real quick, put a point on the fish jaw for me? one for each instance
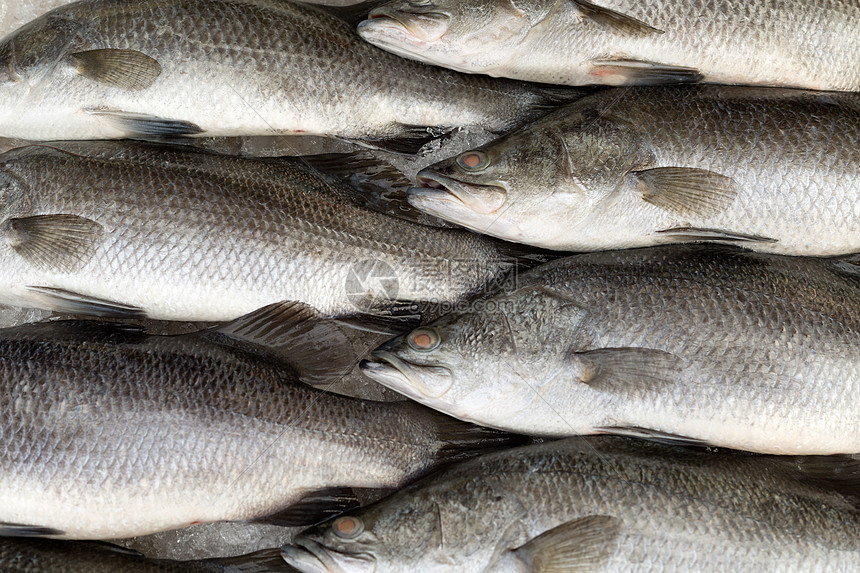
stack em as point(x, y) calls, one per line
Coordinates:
point(405, 377)
point(410, 38)
point(308, 556)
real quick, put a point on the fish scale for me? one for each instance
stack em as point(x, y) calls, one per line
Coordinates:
point(239, 67)
point(678, 511)
point(195, 236)
point(110, 433)
point(709, 344)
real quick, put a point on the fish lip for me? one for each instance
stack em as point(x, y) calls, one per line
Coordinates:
point(388, 18)
point(304, 553)
point(384, 371)
point(437, 187)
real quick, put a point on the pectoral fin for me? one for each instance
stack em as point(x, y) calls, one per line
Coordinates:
point(627, 369)
point(126, 69)
point(581, 545)
point(614, 21)
point(642, 73)
point(686, 191)
point(312, 344)
point(61, 243)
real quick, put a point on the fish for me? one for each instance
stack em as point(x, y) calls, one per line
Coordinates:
point(133, 229)
point(35, 555)
point(111, 432)
point(107, 69)
point(695, 344)
point(623, 42)
point(776, 171)
point(599, 504)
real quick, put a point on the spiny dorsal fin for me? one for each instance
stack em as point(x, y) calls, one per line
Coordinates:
point(126, 69)
point(315, 507)
point(59, 242)
point(580, 545)
point(312, 344)
point(627, 369)
point(615, 21)
point(686, 191)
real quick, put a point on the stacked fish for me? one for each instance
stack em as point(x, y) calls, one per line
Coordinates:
point(732, 321)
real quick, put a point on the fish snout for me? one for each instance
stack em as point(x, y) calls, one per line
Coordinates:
point(423, 26)
point(435, 187)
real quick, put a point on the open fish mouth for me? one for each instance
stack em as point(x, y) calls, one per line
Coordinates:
point(435, 188)
point(427, 27)
point(308, 556)
point(400, 375)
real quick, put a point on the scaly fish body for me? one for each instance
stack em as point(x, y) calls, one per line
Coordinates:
point(108, 432)
point(613, 42)
point(109, 69)
point(31, 555)
point(603, 505)
point(708, 344)
point(774, 170)
point(187, 235)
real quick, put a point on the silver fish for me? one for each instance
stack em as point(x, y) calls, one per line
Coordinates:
point(704, 344)
point(33, 555)
point(598, 505)
point(116, 228)
point(775, 170)
point(110, 68)
point(612, 42)
point(109, 432)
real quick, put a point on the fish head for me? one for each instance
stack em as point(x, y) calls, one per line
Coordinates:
point(484, 364)
point(30, 54)
point(465, 36)
point(399, 536)
point(535, 184)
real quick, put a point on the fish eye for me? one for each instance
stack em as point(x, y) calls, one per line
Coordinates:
point(424, 339)
point(347, 527)
point(473, 161)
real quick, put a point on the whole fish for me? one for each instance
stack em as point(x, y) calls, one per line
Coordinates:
point(789, 43)
point(109, 432)
point(602, 504)
point(775, 170)
point(101, 69)
point(117, 228)
point(705, 344)
point(33, 555)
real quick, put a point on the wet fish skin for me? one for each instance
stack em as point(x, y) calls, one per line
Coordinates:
point(102, 69)
point(109, 432)
point(774, 170)
point(650, 507)
point(623, 42)
point(179, 234)
point(705, 344)
point(33, 555)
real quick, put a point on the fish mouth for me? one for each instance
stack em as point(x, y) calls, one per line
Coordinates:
point(435, 189)
point(399, 375)
point(308, 556)
point(415, 26)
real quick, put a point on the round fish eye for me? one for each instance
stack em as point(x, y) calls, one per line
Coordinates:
point(424, 339)
point(473, 160)
point(347, 527)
